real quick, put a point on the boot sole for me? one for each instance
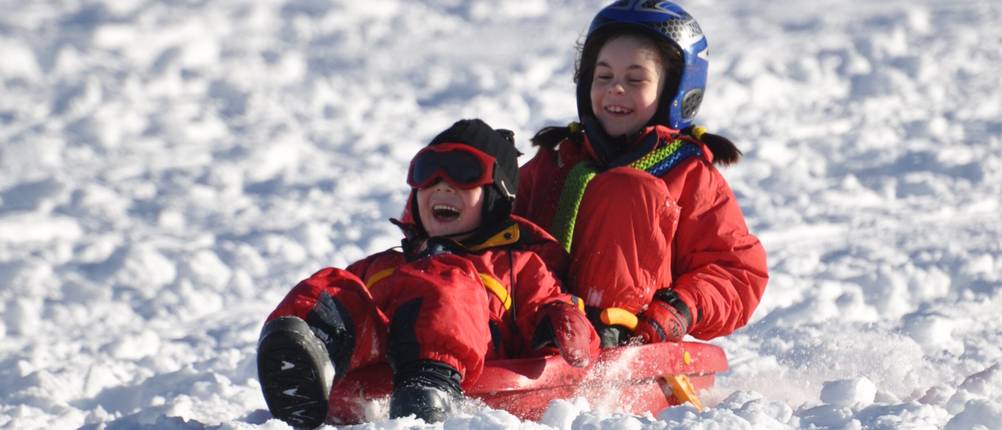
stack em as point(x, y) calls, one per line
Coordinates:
point(295, 372)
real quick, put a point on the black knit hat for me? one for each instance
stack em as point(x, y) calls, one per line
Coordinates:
point(499, 197)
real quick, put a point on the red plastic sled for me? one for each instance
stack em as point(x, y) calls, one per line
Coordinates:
point(635, 379)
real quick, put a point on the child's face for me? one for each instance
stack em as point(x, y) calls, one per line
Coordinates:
point(445, 210)
point(628, 80)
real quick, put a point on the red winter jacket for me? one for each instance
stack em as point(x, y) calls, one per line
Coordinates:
point(636, 233)
point(512, 283)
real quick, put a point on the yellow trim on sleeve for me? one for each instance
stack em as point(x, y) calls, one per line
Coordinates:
point(379, 276)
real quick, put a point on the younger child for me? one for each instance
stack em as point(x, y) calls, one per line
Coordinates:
point(632, 191)
point(468, 286)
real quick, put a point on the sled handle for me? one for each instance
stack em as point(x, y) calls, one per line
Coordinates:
point(620, 317)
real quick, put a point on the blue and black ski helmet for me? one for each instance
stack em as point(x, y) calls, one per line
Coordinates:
point(662, 20)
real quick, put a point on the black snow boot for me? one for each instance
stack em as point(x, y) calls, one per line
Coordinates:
point(426, 389)
point(295, 372)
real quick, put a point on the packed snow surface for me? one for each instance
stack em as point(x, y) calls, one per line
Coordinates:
point(168, 169)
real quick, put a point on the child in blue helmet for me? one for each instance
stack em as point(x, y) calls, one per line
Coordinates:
point(632, 190)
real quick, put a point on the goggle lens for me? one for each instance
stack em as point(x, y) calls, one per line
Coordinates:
point(459, 165)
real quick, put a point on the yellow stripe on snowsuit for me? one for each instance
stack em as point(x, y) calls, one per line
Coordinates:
point(491, 284)
point(499, 290)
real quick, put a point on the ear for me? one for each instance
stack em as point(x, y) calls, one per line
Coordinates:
point(411, 215)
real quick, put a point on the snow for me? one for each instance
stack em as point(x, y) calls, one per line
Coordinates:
point(169, 169)
point(849, 392)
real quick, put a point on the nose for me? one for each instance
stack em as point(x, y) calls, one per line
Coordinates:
point(617, 88)
point(442, 185)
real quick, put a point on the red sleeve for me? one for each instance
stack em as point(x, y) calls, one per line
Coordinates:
point(360, 267)
point(370, 266)
point(535, 285)
point(719, 267)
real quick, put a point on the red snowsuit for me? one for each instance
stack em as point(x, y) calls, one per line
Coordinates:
point(636, 233)
point(458, 308)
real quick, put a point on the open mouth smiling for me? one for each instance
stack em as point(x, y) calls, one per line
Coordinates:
point(618, 110)
point(445, 213)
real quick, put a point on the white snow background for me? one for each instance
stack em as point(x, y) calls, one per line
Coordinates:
point(168, 169)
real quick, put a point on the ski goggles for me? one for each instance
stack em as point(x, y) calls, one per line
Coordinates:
point(459, 164)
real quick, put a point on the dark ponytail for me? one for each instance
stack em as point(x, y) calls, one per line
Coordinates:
point(552, 135)
point(724, 151)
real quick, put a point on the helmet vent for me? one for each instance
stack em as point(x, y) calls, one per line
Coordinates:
point(683, 31)
point(690, 104)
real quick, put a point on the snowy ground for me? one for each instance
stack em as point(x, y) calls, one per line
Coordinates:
point(168, 169)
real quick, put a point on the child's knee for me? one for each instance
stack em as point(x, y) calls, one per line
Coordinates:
point(627, 188)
